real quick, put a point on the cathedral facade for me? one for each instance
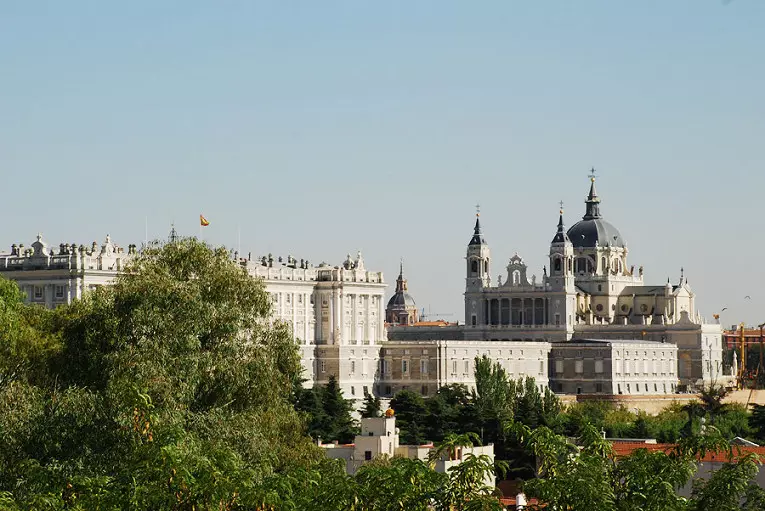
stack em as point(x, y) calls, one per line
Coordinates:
point(589, 291)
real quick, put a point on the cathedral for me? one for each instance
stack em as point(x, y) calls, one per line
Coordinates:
point(589, 291)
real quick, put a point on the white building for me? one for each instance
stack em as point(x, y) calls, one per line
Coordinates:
point(336, 313)
point(591, 366)
point(425, 366)
point(53, 277)
point(380, 438)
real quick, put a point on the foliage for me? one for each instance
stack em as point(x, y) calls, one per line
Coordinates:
point(25, 343)
point(169, 391)
point(371, 407)
point(589, 476)
point(410, 417)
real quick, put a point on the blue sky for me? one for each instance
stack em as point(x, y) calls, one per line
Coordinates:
point(321, 128)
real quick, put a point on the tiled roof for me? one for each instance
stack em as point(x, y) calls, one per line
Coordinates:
point(627, 448)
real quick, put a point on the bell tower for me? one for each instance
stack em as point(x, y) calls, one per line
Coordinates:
point(561, 259)
point(478, 259)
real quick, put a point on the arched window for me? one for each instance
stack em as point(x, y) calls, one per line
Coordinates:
point(557, 264)
point(603, 264)
point(474, 266)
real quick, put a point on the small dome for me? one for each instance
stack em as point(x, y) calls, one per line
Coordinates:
point(401, 300)
point(594, 231)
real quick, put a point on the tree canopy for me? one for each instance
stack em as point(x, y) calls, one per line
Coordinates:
point(167, 390)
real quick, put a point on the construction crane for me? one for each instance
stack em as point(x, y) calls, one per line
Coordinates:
point(425, 316)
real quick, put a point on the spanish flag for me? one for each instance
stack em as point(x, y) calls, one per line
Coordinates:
point(203, 221)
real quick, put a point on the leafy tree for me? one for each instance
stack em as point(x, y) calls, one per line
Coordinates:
point(310, 403)
point(25, 343)
point(337, 411)
point(451, 445)
point(757, 421)
point(410, 414)
point(170, 391)
point(372, 407)
point(589, 476)
point(449, 411)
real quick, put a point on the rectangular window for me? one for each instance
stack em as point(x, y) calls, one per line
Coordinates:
point(59, 291)
point(388, 390)
point(424, 366)
point(598, 366)
point(323, 366)
point(619, 388)
point(366, 390)
point(541, 367)
point(405, 366)
point(367, 455)
point(300, 298)
point(467, 366)
point(38, 292)
point(424, 390)
point(558, 366)
point(454, 367)
point(288, 298)
point(353, 391)
point(599, 388)
point(579, 366)
point(557, 320)
point(353, 366)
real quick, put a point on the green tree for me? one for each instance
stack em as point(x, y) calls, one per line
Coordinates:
point(337, 410)
point(449, 411)
point(25, 342)
point(372, 407)
point(410, 411)
point(170, 391)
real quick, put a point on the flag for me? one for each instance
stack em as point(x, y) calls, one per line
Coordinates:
point(203, 221)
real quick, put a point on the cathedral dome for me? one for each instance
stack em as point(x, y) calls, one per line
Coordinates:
point(401, 300)
point(588, 233)
point(592, 230)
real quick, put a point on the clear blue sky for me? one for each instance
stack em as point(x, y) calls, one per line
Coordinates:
point(320, 127)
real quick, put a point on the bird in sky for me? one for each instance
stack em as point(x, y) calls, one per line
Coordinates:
point(724, 309)
point(747, 297)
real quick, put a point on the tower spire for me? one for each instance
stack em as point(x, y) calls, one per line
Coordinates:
point(401, 281)
point(593, 201)
point(561, 236)
point(477, 235)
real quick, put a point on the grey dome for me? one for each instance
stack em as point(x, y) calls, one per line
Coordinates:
point(401, 300)
point(594, 231)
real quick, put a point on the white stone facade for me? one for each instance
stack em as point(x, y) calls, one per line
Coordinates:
point(55, 277)
point(614, 367)
point(336, 314)
point(425, 366)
